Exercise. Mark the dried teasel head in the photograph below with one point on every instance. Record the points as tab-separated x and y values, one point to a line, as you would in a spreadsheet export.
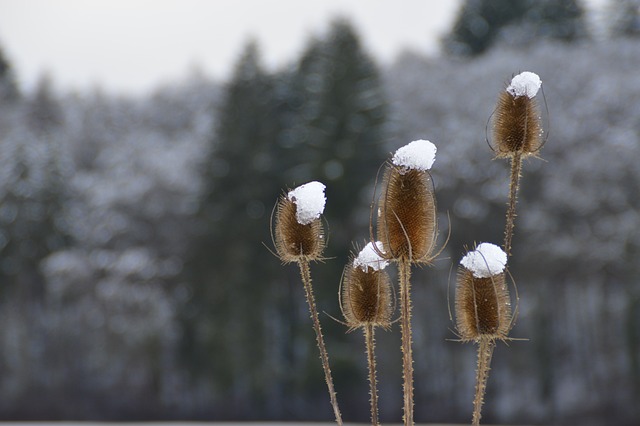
407	223
483	305
298	231
517	124
366	297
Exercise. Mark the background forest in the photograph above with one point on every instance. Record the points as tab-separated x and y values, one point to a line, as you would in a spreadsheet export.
134	279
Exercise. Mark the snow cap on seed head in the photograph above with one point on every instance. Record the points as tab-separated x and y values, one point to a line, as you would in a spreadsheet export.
418	155
516	122
485	261
298	233
526	83
369	257
310	200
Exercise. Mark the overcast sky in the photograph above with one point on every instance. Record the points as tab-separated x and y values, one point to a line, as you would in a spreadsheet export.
132	46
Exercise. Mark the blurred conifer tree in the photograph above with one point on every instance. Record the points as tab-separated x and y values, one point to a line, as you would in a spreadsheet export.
482	23
323	120
8	86
43	111
228	272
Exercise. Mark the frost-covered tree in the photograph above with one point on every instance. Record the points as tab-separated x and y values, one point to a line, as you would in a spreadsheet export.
31	204
482	23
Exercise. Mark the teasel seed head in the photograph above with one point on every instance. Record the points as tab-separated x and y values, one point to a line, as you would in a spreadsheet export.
407	223
366	297
482	303
517	124
298	231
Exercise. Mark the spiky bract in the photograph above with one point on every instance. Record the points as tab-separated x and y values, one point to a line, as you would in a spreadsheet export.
517	126
366	297
293	240
407	222
483	306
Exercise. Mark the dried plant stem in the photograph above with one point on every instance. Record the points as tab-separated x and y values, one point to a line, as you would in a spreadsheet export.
514	182
485	351
404	271
370	342
305	273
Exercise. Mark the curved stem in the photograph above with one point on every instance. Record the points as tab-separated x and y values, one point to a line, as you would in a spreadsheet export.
485	352
370	342
404	270
514	182
305	273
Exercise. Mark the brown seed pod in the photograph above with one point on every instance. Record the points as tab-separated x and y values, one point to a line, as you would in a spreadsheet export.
293	240
483	306
517	123
407	225
366	297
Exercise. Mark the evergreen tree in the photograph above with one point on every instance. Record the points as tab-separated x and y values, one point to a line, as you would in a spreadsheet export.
482	23
243	326
227	269
31	225
558	20
42	108
8	87
342	118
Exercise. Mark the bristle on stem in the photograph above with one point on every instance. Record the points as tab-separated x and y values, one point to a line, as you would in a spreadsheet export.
370	343
485	353
404	270
324	356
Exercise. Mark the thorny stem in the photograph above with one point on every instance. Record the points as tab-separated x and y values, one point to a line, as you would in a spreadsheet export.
305	273
404	270
485	351
514	182
370	342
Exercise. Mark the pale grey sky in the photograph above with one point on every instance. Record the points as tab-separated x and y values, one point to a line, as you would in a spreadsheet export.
132	46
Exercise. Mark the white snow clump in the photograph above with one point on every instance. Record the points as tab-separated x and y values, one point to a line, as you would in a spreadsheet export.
485	261
310	200
369	257
418	155
526	83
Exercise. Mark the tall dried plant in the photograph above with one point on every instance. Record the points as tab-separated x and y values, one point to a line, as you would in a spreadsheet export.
517	134
483	305
407	228
366	302
483	309
299	237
